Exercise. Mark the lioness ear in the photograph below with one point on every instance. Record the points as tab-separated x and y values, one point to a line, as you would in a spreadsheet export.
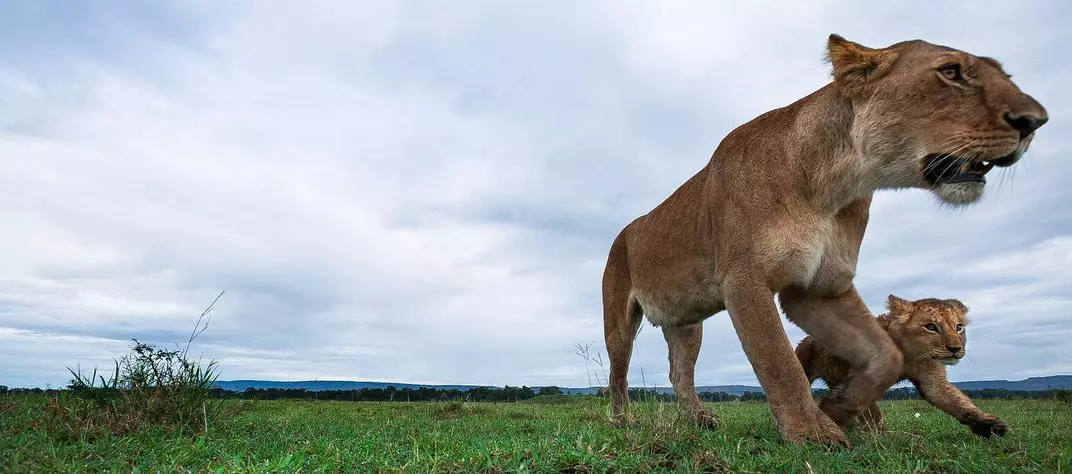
898	306
855	65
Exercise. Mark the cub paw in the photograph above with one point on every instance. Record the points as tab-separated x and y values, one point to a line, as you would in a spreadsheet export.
986	425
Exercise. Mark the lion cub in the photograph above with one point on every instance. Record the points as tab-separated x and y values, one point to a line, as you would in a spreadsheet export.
930	334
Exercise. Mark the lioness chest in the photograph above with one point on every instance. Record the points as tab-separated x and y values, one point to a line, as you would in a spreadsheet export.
804	253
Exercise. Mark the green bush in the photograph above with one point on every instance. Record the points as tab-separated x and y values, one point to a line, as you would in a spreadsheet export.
1063	395
150	386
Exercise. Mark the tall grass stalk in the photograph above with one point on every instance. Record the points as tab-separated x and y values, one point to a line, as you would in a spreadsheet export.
150	386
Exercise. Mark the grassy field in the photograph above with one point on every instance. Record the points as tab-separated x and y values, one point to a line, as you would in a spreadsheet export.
546	434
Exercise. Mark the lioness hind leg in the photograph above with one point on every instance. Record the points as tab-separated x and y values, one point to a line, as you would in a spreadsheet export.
621	319
684	347
619	342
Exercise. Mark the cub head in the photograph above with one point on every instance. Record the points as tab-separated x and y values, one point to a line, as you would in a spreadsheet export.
933	117
929	328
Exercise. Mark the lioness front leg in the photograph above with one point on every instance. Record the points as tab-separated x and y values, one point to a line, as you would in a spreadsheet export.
757	323
684	345
845	326
937	390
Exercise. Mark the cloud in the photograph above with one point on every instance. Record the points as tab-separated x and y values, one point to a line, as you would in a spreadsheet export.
394	191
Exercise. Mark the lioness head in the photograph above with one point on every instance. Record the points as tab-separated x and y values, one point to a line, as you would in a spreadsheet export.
933	117
929	328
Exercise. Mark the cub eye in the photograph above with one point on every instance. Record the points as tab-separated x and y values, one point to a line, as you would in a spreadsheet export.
952	72
931	327
960	328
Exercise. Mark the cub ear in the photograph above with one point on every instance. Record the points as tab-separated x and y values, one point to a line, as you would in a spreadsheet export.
854	65
898	306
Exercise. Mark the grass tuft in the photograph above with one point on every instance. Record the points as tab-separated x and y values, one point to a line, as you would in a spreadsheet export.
149	387
455	409
1063	396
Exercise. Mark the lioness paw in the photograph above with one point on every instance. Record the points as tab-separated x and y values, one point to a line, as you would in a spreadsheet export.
832	438
625	419
819	430
706	419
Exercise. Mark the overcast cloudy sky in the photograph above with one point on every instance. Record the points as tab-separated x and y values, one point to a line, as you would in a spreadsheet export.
426	191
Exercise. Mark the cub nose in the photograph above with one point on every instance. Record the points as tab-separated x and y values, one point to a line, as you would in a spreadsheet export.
954	349
1025	123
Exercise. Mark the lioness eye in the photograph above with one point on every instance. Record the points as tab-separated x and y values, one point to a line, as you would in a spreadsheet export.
931	327
951	72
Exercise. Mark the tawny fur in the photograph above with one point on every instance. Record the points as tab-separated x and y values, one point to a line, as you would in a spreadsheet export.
931	333
781	208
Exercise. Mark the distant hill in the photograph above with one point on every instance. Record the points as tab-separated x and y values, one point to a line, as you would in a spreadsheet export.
317	385
1051	382
1028	384
730	389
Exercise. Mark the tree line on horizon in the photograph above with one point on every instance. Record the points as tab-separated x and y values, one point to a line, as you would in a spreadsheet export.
514	394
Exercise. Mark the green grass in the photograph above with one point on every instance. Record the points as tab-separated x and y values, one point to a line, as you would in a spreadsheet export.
546	434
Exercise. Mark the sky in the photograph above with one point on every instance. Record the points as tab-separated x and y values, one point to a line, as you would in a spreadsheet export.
426	192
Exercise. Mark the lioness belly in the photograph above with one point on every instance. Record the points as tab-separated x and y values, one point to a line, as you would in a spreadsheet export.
661	309
678	298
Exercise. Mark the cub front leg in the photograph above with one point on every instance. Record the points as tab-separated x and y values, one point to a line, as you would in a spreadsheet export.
756	320
936	389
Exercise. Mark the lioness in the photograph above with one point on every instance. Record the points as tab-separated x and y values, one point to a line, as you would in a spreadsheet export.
781	208
931	334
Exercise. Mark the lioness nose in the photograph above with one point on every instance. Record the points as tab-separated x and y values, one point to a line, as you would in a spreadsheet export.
954	349
1026	123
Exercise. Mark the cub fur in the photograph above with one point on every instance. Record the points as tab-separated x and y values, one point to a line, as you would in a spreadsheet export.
931	334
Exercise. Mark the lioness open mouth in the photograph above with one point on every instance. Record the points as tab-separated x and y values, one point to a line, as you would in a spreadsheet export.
940	168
